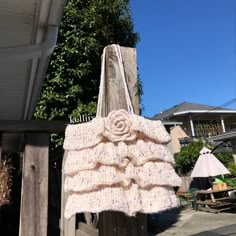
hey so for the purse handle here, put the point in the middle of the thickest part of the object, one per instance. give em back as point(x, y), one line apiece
point(102, 81)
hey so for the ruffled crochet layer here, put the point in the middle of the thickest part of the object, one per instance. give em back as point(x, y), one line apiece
point(130, 200)
point(103, 153)
point(120, 154)
point(149, 174)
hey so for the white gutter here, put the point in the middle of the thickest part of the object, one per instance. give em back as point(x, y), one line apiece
point(39, 64)
point(44, 49)
point(172, 123)
point(27, 52)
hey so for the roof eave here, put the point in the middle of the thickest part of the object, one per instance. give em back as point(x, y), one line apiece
point(40, 64)
point(204, 111)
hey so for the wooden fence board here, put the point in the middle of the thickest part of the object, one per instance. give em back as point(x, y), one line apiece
point(34, 193)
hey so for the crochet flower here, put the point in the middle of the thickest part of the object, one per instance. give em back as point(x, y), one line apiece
point(118, 126)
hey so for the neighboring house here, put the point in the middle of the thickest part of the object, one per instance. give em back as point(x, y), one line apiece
point(198, 120)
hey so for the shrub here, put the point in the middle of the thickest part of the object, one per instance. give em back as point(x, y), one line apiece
point(231, 182)
point(232, 169)
point(187, 157)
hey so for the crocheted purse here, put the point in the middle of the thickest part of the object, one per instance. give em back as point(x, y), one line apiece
point(120, 162)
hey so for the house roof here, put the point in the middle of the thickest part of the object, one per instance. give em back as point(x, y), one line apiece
point(188, 107)
point(28, 30)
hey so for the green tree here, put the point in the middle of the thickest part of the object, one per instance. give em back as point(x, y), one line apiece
point(72, 81)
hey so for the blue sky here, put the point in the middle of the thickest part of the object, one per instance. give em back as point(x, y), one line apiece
point(187, 52)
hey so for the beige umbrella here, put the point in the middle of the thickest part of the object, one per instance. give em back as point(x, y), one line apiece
point(208, 165)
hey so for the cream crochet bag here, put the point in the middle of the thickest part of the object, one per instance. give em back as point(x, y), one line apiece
point(120, 162)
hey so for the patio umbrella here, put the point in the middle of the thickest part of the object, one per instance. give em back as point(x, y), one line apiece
point(208, 165)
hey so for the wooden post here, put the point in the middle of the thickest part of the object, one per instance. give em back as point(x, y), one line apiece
point(114, 95)
point(34, 192)
point(117, 223)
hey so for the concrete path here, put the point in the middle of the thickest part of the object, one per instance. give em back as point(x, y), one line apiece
point(188, 222)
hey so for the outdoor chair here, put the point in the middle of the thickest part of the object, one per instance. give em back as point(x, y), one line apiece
point(194, 198)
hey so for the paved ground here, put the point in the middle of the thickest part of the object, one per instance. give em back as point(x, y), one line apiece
point(186, 222)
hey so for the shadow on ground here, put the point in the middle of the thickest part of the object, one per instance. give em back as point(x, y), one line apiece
point(160, 222)
point(229, 230)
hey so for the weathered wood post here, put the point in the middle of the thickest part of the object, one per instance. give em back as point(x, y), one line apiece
point(111, 222)
point(34, 193)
